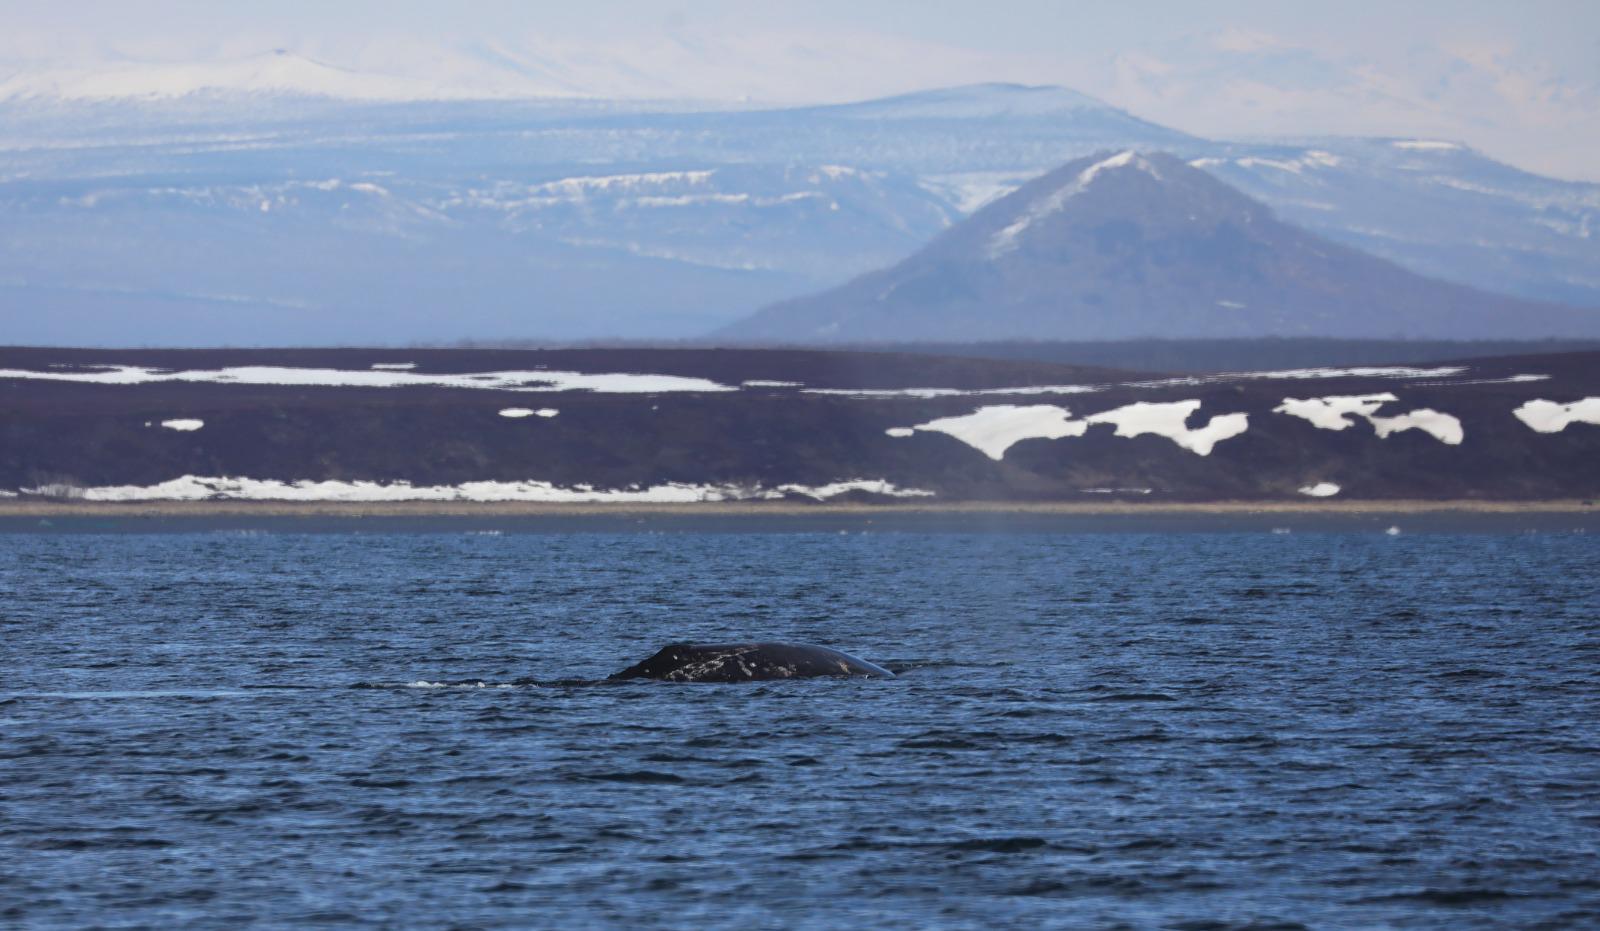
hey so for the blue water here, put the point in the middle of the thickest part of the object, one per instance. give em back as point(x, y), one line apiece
point(1181, 730)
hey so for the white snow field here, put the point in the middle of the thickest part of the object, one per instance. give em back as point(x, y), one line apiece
point(198, 488)
point(1365, 371)
point(1334, 413)
point(1443, 427)
point(993, 430)
point(996, 428)
point(539, 380)
point(1168, 419)
point(926, 393)
point(517, 413)
point(1552, 417)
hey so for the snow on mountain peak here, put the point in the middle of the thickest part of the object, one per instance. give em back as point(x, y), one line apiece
point(1008, 238)
point(976, 101)
point(1425, 145)
point(276, 72)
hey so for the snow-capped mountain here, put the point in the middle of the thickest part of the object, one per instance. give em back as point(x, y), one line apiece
point(1436, 207)
point(1133, 245)
point(297, 215)
point(278, 72)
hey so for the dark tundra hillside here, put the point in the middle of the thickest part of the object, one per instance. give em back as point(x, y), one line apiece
point(707, 425)
point(1129, 246)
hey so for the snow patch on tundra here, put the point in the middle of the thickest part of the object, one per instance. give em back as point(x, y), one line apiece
point(539, 380)
point(517, 413)
point(1364, 371)
point(1169, 419)
point(953, 392)
point(994, 429)
point(1551, 417)
point(199, 488)
point(1334, 413)
point(1442, 427)
point(872, 486)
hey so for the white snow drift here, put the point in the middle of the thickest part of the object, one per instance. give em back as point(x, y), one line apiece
point(993, 430)
point(537, 380)
point(1169, 418)
point(1443, 427)
point(1360, 371)
point(517, 413)
point(996, 428)
point(198, 488)
point(1551, 417)
point(1334, 413)
point(952, 392)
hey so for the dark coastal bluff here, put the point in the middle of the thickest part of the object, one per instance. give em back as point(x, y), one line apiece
point(1133, 245)
point(634, 426)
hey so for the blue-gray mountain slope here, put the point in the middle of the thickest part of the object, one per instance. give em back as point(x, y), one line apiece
point(274, 219)
point(1134, 246)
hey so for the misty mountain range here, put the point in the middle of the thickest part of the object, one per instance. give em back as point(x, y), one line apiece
point(272, 218)
point(1130, 246)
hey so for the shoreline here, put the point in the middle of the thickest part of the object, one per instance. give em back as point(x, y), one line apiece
point(13, 508)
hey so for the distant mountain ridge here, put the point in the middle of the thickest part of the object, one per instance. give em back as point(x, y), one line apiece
point(574, 219)
point(1131, 245)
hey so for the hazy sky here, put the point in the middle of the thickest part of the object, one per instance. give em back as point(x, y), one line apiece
point(1521, 81)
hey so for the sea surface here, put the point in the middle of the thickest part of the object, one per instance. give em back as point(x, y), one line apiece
point(1193, 730)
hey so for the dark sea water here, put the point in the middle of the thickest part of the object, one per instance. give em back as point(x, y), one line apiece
point(1185, 730)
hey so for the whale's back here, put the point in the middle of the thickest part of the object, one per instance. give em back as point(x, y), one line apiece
point(748, 662)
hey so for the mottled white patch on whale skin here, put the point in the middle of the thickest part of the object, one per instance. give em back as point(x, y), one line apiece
point(1169, 419)
point(900, 432)
point(1551, 417)
point(393, 366)
point(1321, 490)
point(183, 425)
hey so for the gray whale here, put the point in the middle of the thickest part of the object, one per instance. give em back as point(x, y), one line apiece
point(747, 662)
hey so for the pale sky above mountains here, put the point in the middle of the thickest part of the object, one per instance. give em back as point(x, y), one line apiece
point(1519, 81)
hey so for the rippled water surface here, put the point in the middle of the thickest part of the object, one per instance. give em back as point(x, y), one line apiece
point(1188, 730)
